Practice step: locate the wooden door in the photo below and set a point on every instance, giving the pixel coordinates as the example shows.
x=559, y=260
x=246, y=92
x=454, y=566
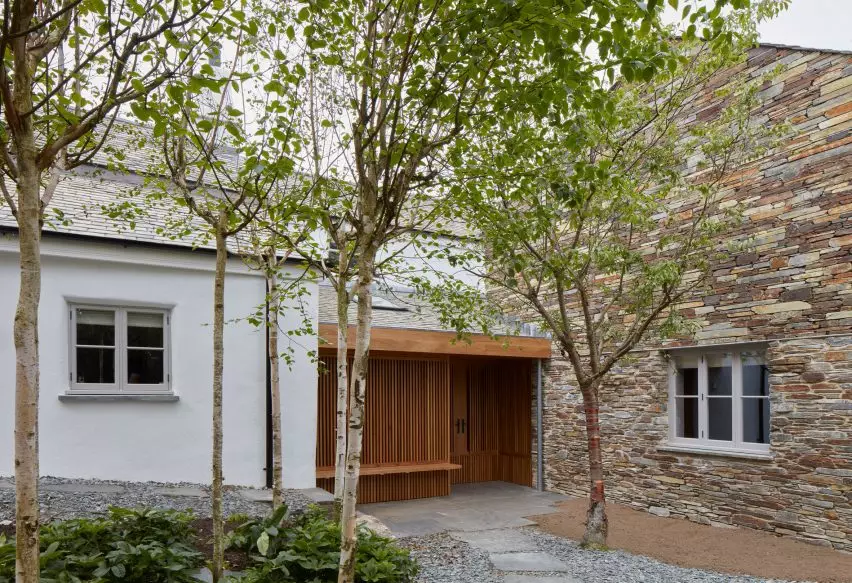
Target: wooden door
x=460, y=426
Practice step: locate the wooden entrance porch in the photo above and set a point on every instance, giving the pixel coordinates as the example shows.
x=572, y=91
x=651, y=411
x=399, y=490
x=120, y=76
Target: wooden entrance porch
x=459, y=413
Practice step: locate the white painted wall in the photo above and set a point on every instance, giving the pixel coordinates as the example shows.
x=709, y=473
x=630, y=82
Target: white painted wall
x=167, y=442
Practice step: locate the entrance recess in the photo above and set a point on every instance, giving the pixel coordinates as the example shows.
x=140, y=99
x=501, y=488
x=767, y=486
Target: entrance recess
x=433, y=419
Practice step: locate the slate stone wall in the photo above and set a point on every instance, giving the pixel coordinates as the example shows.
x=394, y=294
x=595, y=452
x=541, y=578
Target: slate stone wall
x=793, y=290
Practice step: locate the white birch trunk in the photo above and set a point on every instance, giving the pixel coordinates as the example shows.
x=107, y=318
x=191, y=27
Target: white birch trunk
x=218, y=367
x=275, y=384
x=27, y=365
x=357, y=400
x=342, y=383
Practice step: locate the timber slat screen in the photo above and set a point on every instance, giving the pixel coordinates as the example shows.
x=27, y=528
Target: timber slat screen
x=406, y=423
x=499, y=397
x=409, y=432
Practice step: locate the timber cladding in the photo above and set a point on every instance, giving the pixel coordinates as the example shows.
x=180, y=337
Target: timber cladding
x=499, y=401
x=412, y=446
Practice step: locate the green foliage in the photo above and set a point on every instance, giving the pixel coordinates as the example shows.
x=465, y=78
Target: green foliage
x=131, y=546
x=601, y=224
x=307, y=549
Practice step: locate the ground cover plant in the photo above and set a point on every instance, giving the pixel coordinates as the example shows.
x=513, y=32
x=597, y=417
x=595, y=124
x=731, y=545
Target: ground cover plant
x=307, y=549
x=146, y=545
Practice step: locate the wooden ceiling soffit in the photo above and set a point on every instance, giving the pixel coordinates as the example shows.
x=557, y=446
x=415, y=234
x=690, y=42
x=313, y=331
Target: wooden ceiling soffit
x=411, y=341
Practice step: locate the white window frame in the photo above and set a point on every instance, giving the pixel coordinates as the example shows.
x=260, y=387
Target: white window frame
x=121, y=386
x=703, y=442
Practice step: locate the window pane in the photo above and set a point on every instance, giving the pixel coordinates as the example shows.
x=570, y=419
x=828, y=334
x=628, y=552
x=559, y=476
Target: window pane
x=755, y=375
x=719, y=413
x=756, y=420
x=144, y=329
x=145, y=367
x=96, y=327
x=96, y=365
x=719, y=375
x=687, y=417
x=686, y=381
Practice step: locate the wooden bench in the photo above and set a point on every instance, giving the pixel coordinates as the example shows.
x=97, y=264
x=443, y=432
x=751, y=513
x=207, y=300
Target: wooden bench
x=387, y=469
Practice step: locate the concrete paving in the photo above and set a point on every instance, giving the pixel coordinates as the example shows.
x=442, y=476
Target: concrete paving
x=470, y=507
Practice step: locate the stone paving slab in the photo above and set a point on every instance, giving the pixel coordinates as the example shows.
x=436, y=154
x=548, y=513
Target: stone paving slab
x=181, y=492
x=256, y=495
x=318, y=495
x=534, y=579
x=496, y=541
x=527, y=562
x=84, y=488
x=206, y=576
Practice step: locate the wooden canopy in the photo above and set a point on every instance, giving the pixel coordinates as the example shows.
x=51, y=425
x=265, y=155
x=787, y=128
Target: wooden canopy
x=410, y=341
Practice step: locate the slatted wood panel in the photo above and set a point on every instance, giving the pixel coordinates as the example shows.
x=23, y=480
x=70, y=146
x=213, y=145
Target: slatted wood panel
x=499, y=411
x=408, y=405
x=515, y=423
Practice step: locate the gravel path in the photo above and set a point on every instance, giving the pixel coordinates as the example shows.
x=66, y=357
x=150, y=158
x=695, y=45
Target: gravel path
x=445, y=559
x=61, y=498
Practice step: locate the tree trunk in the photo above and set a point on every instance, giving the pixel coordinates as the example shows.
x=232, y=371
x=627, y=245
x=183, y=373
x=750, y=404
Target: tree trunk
x=275, y=384
x=218, y=367
x=342, y=393
x=357, y=399
x=27, y=367
x=597, y=526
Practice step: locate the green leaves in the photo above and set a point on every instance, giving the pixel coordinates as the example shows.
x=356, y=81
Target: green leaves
x=128, y=545
x=306, y=548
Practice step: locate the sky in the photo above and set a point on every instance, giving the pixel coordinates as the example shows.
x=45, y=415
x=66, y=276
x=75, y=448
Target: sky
x=821, y=24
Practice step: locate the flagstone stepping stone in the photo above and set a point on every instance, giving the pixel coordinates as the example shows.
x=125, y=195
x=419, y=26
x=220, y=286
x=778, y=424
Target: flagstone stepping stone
x=527, y=562
x=497, y=540
x=181, y=492
x=206, y=576
x=256, y=495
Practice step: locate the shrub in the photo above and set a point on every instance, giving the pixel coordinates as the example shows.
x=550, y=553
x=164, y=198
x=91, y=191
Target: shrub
x=144, y=546
x=307, y=549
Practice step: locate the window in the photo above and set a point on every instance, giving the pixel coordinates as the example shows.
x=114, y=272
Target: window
x=719, y=401
x=119, y=350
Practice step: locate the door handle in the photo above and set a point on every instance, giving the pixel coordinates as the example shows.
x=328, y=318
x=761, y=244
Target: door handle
x=462, y=425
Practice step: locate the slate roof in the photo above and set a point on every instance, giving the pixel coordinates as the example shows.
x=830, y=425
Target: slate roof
x=77, y=209
x=410, y=312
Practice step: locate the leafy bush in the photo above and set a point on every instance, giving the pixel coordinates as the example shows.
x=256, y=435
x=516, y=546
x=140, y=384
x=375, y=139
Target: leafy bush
x=144, y=546
x=307, y=549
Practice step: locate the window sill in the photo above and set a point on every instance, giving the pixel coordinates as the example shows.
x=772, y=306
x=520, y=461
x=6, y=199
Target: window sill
x=104, y=398
x=741, y=454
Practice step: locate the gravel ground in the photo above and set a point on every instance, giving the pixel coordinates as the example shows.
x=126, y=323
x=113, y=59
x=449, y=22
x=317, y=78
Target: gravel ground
x=444, y=559
x=68, y=503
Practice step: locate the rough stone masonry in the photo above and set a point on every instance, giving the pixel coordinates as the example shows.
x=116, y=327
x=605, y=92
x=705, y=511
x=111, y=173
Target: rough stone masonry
x=793, y=290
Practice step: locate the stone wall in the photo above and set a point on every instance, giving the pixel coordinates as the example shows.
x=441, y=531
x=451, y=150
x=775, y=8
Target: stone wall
x=804, y=492
x=793, y=290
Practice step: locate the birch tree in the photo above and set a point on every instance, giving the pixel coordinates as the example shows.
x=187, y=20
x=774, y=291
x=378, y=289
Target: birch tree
x=599, y=229
x=414, y=79
x=230, y=143
x=67, y=69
